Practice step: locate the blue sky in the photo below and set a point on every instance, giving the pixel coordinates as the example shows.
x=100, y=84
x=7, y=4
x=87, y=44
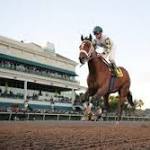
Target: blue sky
x=62, y=22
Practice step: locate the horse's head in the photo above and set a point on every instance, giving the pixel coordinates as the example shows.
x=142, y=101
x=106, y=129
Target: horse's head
x=86, y=49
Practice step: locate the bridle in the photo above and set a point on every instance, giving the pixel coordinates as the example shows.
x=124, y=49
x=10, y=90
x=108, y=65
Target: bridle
x=88, y=54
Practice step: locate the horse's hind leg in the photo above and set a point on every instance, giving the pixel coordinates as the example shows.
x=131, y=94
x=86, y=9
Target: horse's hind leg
x=122, y=98
x=106, y=103
x=120, y=107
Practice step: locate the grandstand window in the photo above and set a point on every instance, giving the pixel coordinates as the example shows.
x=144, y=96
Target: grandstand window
x=34, y=70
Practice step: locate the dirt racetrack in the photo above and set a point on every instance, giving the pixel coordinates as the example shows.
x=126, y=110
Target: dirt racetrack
x=74, y=135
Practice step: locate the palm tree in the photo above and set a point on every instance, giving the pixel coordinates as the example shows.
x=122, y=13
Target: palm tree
x=140, y=103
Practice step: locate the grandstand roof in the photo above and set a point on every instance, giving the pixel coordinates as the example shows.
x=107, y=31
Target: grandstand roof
x=36, y=48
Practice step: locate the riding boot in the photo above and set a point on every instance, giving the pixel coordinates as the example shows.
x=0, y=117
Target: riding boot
x=116, y=71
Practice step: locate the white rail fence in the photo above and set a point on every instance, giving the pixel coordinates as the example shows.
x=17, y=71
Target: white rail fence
x=46, y=116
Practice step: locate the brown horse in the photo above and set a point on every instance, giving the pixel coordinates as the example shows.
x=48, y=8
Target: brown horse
x=100, y=80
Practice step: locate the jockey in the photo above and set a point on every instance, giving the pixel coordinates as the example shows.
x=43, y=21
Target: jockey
x=108, y=48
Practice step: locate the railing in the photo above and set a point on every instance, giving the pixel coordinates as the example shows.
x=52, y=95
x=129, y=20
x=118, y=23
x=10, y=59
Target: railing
x=127, y=118
x=38, y=116
x=46, y=116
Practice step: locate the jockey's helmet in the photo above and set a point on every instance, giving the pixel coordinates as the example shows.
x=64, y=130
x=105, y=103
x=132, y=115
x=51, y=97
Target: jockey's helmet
x=97, y=29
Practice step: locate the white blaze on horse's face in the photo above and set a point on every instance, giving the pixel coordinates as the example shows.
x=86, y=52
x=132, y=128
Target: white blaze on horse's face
x=86, y=50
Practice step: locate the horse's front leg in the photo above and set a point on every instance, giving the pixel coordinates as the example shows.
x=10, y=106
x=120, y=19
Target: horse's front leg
x=86, y=95
x=100, y=92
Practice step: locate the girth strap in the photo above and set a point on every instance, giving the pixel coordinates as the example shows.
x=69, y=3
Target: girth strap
x=111, y=83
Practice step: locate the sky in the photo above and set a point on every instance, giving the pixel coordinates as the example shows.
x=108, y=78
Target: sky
x=62, y=22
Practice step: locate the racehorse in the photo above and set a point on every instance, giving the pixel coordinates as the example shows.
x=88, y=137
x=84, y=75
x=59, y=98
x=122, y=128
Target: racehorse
x=100, y=80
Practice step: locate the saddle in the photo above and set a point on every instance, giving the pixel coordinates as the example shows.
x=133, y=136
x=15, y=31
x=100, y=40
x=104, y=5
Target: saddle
x=115, y=72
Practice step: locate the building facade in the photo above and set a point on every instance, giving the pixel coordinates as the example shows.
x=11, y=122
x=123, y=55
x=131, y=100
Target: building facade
x=27, y=67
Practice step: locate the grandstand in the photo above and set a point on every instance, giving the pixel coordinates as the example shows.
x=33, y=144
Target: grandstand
x=37, y=76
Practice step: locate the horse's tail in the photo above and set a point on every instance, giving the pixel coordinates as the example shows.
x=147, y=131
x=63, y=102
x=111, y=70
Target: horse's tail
x=130, y=98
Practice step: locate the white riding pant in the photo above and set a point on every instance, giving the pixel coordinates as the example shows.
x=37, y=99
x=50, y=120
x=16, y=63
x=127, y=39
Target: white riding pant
x=110, y=56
